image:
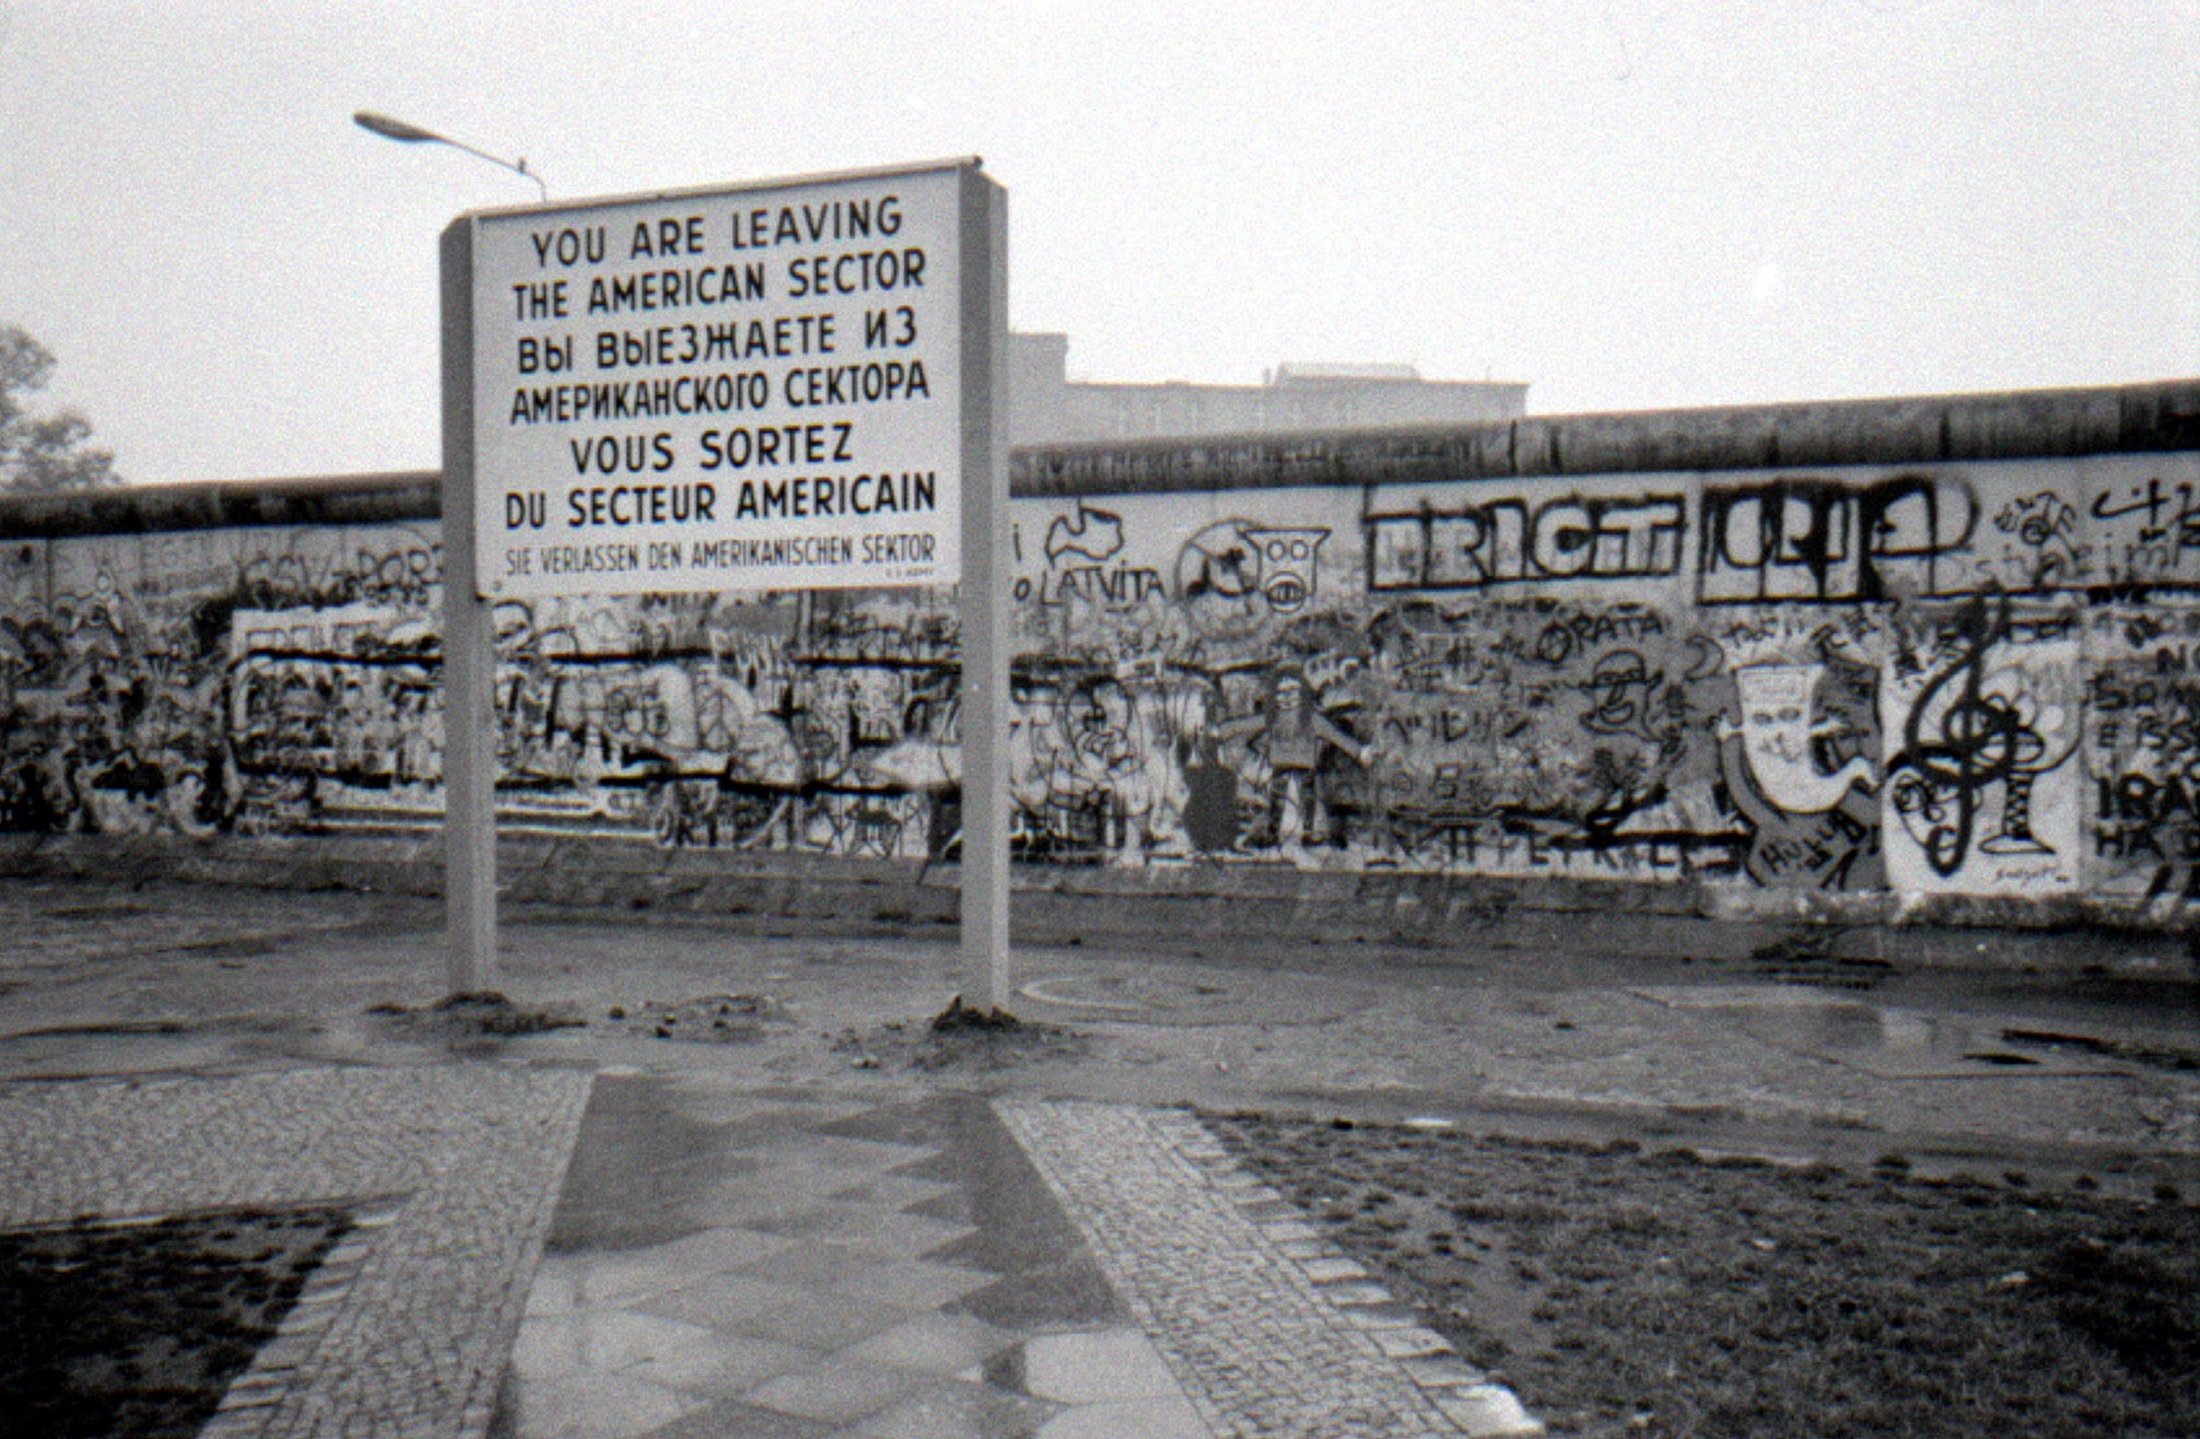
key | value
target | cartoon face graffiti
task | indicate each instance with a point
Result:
(1623, 695)
(1780, 729)
(1286, 560)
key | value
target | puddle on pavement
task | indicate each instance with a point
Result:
(1855, 1030)
(99, 911)
(226, 1044)
(1885, 1041)
(1197, 997)
(84, 1052)
(1048, 1278)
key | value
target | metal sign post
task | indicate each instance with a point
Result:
(469, 654)
(986, 579)
(789, 385)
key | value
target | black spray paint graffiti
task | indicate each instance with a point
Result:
(302, 576)
(1288, 566)
(1095, 534)
(1292, 739)
(1190, 689)
(1474, 545)
(2142, 746)
(1537, 735)
(822, 722)
(1811, 539)
(1798, 762)
(1238, 559)
(2144, 735)
(1083, 564)
(1098, 768)
(1979, 731)
(2155, 526)
(2052, 553)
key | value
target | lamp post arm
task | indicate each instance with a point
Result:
(404, 132)
(519, 165)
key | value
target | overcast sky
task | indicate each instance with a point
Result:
(1625, 204)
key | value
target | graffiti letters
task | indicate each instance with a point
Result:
(1513, 540)
(1827, 540)
(2142, 749)
(1084, 565)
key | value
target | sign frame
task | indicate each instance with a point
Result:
(980, 428)
(743, 388)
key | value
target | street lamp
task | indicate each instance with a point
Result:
(400, 131)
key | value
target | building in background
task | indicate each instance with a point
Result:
(1047, 407)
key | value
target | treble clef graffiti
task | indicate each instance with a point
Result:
(1971, 728)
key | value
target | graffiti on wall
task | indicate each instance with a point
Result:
(1823, 539)
(1473, 537)
(2142, 750)
(1961, 679)
(1982, 788)
(1800, 745)
(1543, 735)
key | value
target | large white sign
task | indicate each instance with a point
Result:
(740, 389)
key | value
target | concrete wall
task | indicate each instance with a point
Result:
(1933, 657)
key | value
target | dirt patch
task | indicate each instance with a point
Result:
(959, 1038)
(706, 1019)
(473, 1017)
(959, 1018)
(2155, 1056)
(1626, 1292)
(112, 1027)
(137, 1330)
(1808, 955)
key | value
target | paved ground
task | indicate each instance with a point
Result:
(754, 1259)
(1272, 1331)
(807, 1261)
(789, 1211)
(453, 1171)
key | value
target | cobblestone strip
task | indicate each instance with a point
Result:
(1270, 1330)
(414, 1342)
(285, 1362)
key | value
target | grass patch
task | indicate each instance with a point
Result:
(1619, 1291)
(137, 1330)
